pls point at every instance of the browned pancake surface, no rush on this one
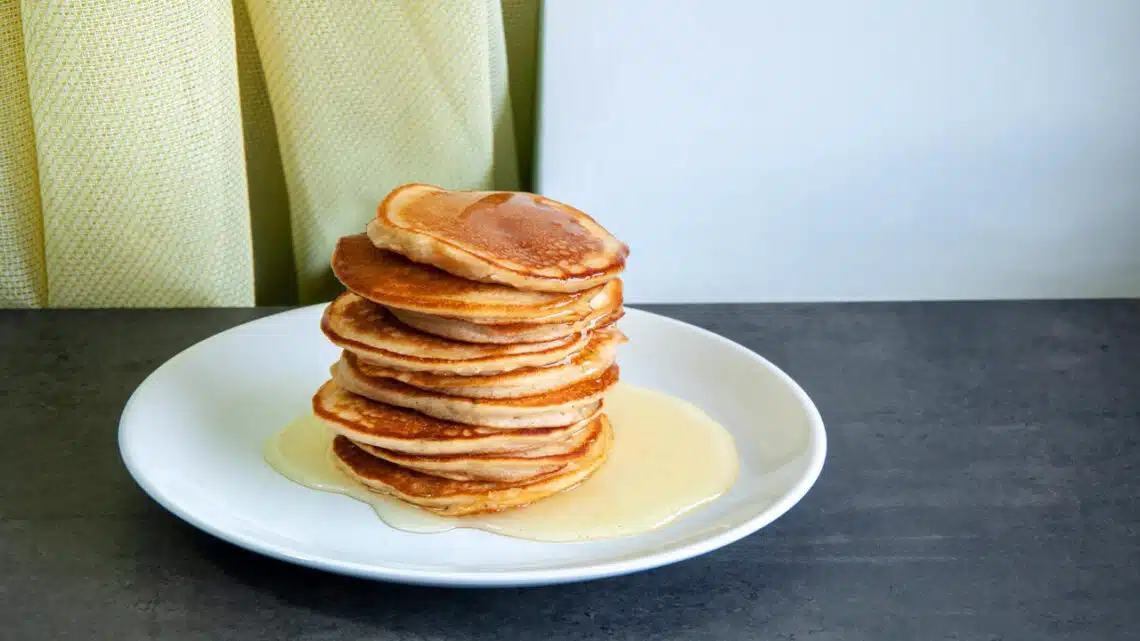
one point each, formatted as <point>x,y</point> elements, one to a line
<point>569,394</point>
<point>370,421</point>
<point>518,231</point>
<point>390,279</point>
<point>371,331</point>
<point>514,333</point>
<point>496,466</point>
<point>560,452</point>
<point>456,498</point>
<point>589,362</point>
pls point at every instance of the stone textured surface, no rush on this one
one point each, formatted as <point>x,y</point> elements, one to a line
<point>982,483</point>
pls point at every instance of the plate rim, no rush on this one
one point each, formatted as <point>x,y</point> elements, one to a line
<point>498,578</point>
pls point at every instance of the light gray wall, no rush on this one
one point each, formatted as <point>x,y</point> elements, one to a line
<point>851,149</point>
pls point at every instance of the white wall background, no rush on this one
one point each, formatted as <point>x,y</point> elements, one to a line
<point>851,149</point>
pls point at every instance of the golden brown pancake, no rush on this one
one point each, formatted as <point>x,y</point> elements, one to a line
<point>512,238</point>
<point>511,333</point>
<point>512,467</point>
<point>402,430</point>
<point>458,498</point>
<point>589,362</point>
<point>563,406</point>
<point>392,280</point>
<point>371,332</point>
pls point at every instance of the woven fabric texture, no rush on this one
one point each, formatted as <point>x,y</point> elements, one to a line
<point>161,153</point>
<point>23,281</point>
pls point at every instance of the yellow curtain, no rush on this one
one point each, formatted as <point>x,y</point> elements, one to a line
<point>167,153</point>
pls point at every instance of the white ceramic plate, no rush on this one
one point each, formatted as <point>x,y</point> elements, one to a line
<point>192,436</point>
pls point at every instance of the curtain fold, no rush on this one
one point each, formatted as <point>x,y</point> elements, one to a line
<point>274,276</point>
<point>370,95</point>
<point>139,151</point>
<point>23,279</point>
<point>162,153</point>
<point>520,25</point>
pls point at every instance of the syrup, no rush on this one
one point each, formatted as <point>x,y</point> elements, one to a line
<point>668,459</point>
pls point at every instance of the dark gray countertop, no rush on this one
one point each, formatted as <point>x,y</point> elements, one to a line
<point>981,483</point>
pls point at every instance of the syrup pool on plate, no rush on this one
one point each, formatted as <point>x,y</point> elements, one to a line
<point>668,458</point>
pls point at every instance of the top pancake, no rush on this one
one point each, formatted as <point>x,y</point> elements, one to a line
<point>518,239</point>
<point>390,279</point>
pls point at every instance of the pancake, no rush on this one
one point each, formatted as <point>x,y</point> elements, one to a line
<point>551,409</point>
<point>501,467</point>
<point>402,430</point>
<point>376,336</point>
<point>596,357</point>
<point>394,281</point>
<point>458,498</point>
<point>518,239</point>
<point>511,333</point>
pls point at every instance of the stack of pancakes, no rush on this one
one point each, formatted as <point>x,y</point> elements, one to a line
<point>478,340</point>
